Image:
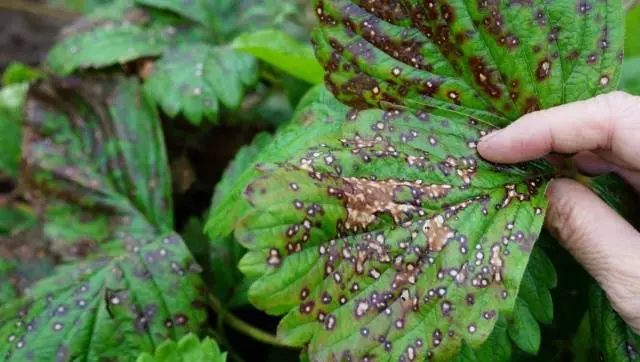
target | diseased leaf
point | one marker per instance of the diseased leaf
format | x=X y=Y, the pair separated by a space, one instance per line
x=352 y=288
x=107 y=308
x=188 y=349
x=377 y=230
x=282 y=51
x=196 y=79
x=612 y=338
x=506 y=58
x=94 y=156
x=107 y=154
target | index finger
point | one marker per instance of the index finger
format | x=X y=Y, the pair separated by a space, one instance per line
x=608 y=122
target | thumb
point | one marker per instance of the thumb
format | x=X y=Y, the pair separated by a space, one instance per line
x=601 y=240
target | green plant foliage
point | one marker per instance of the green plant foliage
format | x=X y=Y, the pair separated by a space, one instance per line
x=19 y=73
x=108 y=43
x=234 y=17
x=632 y=41
x=536 y=283
x=379 y=232
x=195 y=79
x=7 y=291
x=117 y=35
x=90 y=141
x=497 y=347
x=188 y=349
x=611 y=337
x=11 y=102
x=282 y=51
x=630 y=80
x=202 y=11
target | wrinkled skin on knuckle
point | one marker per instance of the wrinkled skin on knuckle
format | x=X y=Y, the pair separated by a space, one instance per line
x=563 y=221
x=623 y=291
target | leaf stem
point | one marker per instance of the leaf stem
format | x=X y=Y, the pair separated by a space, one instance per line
x=37 y=9
x=244 y=327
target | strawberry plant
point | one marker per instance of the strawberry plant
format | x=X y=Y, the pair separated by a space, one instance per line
x=220 y=180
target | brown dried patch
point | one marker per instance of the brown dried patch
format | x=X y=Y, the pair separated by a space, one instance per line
x=366 y=199
x=437 y=233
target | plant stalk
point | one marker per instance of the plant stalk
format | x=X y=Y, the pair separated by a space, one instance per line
x=244 y=327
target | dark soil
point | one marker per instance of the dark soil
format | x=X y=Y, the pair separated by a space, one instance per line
x=25 y=37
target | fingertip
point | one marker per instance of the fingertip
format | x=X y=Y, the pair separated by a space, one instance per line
x=490 y=146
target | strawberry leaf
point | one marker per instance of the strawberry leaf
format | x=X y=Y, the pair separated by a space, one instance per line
x=377 y=230
x=488 y=56
x=93 y=155
x=612 y=338
x=197 y=78
x=326 y=258
x=105 y=38
x=202 y=11
x=107 y=308
x=188 y=349
x=282 y=51
x=11 y=103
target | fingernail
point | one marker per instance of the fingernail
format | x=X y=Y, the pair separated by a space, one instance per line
x=491 y=136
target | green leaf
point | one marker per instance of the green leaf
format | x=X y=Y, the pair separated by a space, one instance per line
x=233 y=17
x=7 y=290
x=536 y=283
x=497 y=348
x=117 y=34
x=195 y=79
x=94 y=152
x=19 y=73
x=14 y=219
x=188 y=349
x=524 y=330
x=229 y=284
x=11 y=106
x=202 y=11
x=630 y=79
x=282 y=51
x=612 y=338
x=632 y=42
x=582 y=345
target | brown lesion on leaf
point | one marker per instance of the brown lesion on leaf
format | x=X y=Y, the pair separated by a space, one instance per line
x=366 y=199
x=437 y=233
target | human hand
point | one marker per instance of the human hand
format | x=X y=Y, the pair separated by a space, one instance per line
x=605 y=133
